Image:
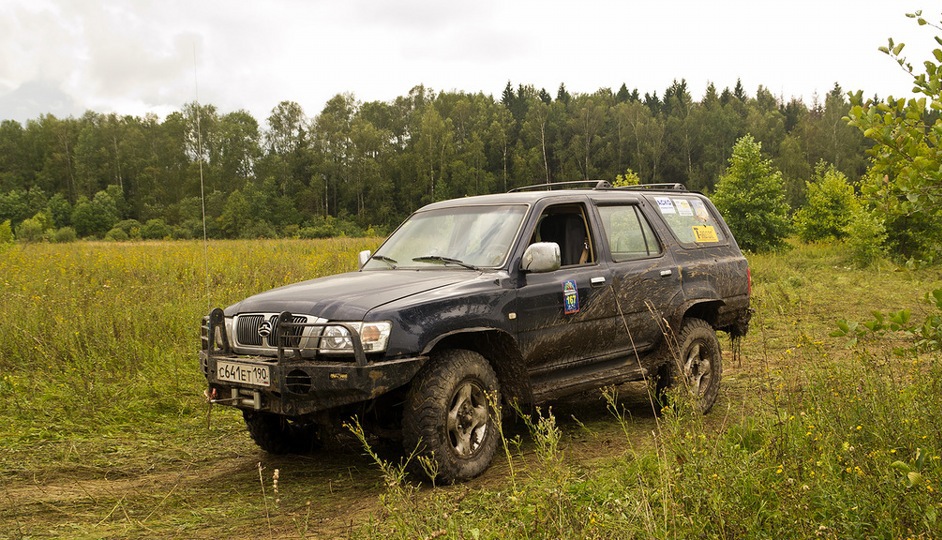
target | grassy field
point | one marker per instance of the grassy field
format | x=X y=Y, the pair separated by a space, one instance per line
x=104 y=431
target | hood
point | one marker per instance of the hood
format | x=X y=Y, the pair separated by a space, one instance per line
x=348 y=296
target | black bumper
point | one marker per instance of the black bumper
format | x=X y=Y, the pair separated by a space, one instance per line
x=297 y=384
x=303 y=387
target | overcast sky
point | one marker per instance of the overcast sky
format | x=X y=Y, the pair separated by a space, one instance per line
x=133 y=57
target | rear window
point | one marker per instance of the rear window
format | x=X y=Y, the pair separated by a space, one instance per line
x=690 y=219
x=629 y=234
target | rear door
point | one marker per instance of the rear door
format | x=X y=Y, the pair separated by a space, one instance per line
x=645 y=280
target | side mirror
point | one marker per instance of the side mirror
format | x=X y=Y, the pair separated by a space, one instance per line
x=541 y=257
x=365 y=257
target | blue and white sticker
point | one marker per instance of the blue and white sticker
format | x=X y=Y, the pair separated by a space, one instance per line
x=666 y=205
x=570 y=297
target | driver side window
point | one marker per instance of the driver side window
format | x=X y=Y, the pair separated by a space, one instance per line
x=567 y=226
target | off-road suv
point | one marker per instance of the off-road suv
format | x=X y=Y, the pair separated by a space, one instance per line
x=525 y=296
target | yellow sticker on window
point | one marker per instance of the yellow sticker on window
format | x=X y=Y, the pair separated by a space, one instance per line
x=705 y=233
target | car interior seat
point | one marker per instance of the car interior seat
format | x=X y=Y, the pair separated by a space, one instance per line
x=568 y=231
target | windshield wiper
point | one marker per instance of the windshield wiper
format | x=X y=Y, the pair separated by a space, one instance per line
x=389 y=261
x=445 y=260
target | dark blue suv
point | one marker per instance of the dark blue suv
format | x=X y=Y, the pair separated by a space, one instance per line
x=519 y=297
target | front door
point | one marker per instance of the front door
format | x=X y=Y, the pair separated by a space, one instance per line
x=565 y=318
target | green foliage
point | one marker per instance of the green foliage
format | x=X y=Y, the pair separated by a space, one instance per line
x=131 y=227
x=751 y=197
x=94 y=217
x=30 y=230
x=155 y=229
x=14 y=206
x=373 y=163
x=865 y=238
x=6 y=232
x=330 y=227
x=925 y=337
x=60 y=210
x=629 y=178
x=906 y=158
x=99 y=389
x=116 y=234
x=64 y=235
x=830 y=206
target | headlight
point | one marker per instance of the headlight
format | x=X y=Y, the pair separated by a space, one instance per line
x=218 y=334
x=373 y=336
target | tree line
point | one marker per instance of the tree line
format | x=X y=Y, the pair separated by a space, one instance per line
x=358 y=167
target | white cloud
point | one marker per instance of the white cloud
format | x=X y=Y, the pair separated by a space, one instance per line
x=135 y=57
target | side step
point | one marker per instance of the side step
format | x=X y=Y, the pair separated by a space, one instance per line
x=565 y=382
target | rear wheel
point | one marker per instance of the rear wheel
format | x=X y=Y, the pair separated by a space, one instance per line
x=448 y=416
x=697 y=365
x=280 y=435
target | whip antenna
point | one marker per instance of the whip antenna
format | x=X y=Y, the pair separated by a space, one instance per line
x=199 y=153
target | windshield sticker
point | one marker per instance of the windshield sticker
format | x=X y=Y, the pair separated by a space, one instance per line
x=705 y=233
x=665 y=204
x=700 y=209
x=683 y=207
x=570 y=297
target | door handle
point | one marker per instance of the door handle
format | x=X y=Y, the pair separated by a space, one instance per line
x=597 y=281
x=665 y=273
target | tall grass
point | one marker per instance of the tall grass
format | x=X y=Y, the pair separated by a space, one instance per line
x=809 y=439
x=102 y=337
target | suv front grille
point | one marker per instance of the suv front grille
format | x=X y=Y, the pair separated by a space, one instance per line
x=247 y=330
x=248 y=326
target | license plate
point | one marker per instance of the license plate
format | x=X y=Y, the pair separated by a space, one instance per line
x=243 y=373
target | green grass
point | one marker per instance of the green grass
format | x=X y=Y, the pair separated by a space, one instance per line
x=103 y=428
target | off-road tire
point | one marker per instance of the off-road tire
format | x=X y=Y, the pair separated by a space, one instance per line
x=448 y=415
x=279 y=435
x=696 y=365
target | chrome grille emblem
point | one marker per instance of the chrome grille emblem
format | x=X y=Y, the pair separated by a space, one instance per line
x=265 y=329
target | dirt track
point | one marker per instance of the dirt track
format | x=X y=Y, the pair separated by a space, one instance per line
x=325 y=495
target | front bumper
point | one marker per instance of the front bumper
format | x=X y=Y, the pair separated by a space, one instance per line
x=297 y=384
x=303 y=387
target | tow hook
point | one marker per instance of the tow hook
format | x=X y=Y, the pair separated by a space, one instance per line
x=238 y=396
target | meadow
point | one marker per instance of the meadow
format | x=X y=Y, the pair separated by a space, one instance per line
x=104 y=431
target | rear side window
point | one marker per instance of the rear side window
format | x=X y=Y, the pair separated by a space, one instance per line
x=629 y=233
x=690 y=219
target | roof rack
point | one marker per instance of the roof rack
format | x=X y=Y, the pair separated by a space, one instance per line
x=590 y=184
x=676 y=186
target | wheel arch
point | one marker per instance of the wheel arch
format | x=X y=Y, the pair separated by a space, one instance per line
x=705 y=309
x=500 y=350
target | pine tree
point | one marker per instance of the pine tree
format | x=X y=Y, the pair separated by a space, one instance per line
x=751 y=197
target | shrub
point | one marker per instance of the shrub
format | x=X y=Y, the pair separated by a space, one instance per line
x=155 y=229
x=866 y=238
x=64 y=235
x=30 y=230
x=259 y=229
x=751 y=197
x=116 y=235
x=830 y=207
x=130 y=226
x=6 y=232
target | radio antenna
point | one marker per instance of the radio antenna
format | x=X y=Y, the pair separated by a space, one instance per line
x=199 y=157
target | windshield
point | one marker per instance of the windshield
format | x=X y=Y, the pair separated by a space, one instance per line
x=461 y=236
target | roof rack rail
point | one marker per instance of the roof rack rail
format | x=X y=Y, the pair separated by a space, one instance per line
x=676 y=186
x=590 y=184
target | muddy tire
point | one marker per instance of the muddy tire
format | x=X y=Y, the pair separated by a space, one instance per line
x=279 y=435
x=697 y=365
x=448 y=416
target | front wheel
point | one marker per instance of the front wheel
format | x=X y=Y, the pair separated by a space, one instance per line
x=448 y=416
x=696 y=365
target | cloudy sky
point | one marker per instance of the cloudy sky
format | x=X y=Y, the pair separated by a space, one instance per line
x=138 y=56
